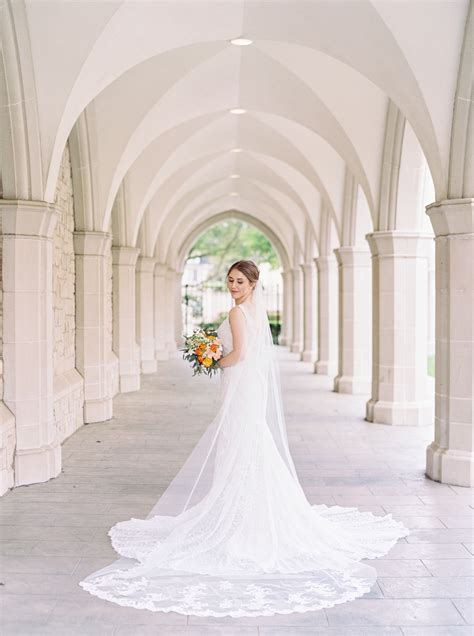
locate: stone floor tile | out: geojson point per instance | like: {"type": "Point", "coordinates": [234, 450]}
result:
{"type": "Point", "coordinates": [38, 564]}
{"type": "Point", "coordinates": [463, 521]}
{"type": "Point", "coordinates": [398, 612]}
{"type": "Point", "coordinates": [450, 567]}
{"type": "Point", "coordinates": [438, 631]}
{"type": "Point", "coordinates": [466, 607]}
{"type": "Point", "coordinates": [398, 567]}
{"type": "Point", "coordinates": [331, 631]}
{"type": "Point", "coordinates": [428, 587]}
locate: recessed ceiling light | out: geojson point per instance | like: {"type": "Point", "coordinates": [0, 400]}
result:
{"type": "Point", "coordinates": [234, 194]}
{"type": "Point", "coordinates": [241, 41]}
{"type": "Point", "coordinates": [235, 176]}
{"type": "Point", "coordinates": [237, 111]}
{"type": "Point", "coordinates": [236, 150]}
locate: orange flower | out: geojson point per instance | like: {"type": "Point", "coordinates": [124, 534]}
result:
{"type": "Point", "coordinates": [213, 347]}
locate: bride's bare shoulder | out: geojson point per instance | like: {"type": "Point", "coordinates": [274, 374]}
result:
{"type": "Point", "coordinates": [236, 313]}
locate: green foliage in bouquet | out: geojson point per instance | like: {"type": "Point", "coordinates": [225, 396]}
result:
{"type": "Point", "coordinates": [195, 347]}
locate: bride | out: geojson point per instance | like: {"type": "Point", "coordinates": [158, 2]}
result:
{"type": "Point", "coordinates": [233, 534]}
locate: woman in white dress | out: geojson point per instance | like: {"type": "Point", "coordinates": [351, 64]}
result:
{"type": "Point", "coordinates": [233, 534]}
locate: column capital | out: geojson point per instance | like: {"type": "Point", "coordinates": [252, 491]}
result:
{"type": "Point", "coordinates": [390, 243]}
{"type": "Point", "coordinates": [308, 268]}
{"type": "Point", "coordinates": [170, 273]}
{"type": "Point", "coordinates": [353, 256]}
{"type": "Point", "coordinates": [160, 269]}
{"type": "Point", "coordinates": [125, 255]}
{"type": "Point", "coordinates": [92, 243]}
{"type": "Point", "coordinates": [325, 262]}
{"type": "Point", "coordinates": [28, 218]}
{"type": "Point", "coordinates": [452, 216]}
{"type": "Point", "coordinates": [146, 264]}
{"type": "Point", "coordinates": [297, 271]}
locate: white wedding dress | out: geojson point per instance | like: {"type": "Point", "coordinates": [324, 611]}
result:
{"type": "Point", "coordinates": [246, 542]}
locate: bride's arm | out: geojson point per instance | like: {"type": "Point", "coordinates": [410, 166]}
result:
{"type": "Point", "coordinates": [239, 334]}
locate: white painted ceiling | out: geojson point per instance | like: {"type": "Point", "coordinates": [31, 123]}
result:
{"type": "Point", "coordinates": [155, 82]}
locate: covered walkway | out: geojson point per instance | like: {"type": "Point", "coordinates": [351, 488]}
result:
{"type": "Point", "coordinates": [55, 533]}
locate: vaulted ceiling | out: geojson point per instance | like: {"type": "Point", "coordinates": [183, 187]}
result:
{"type": "Point", "coordinates": [145, 90]}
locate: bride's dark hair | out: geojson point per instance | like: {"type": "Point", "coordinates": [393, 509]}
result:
{"type": "Point", "coordinates": [247, 268]}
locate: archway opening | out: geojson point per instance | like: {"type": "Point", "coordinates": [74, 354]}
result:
{"type": "Point", "coordinates": [205, 299]}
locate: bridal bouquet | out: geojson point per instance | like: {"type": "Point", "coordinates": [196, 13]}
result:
{"type": "Point", "coordinates": [203, 349]}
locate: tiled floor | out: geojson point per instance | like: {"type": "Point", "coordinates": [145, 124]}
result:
{"type": "Point", "coordinates": [55, 533]}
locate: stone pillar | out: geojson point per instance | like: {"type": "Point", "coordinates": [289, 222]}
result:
{"type": "Point", "coordinates": [287, 319]}
{"type": "Point", "coordinates": [28, 228]}
{"type": "Point", "coordinates": [145, 313]}
{"type": "Point", "coordinates": [93, 342]}
{"type": "Point", "coordinates": [170, 309]}
{"type": "Point", "coordinates": [178, 310]}
{"type": "Point", "coordinates": [160, 300]}
{"type": "Point", "coordinates": [355, 318]}
{"type": "Point", "coordinates": [399, 358]}
{"type": "Point", "coordinates": [327, 315]}
{"type": "Point", "coordinates": [298, 310]}
{"type": "Point", "coordinates": [310, 348]}
{"type": "Point", "coordinates": [450, 458]}
{"type": "Point", "coordinates": [124, 325]}
{"type": "Point", "coordinates": [431, 306]}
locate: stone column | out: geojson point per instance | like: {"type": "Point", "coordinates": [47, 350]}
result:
{"type": "Point", "coordinates": [298, 310]}
{"type": "Point", "coordinates": [310, 348]}
{"type": "Point", "coordinates": [450, 458]}
{"type": "Point", "coordinates": [178, 310]}
{"type": "Point", "coordinates": [355, 318]}
{"type": "Point", "coordinates": [27, 228]}
{"type": "Point", "coordinates": [94, 357]}
{"type": "Point", "coordinates": [160, 300]}
{"type": "Point", "coordinates": [431, 305]}
{"type": "Point", "coordinates": [124, 325]}
{"type": "Point", "coordinates": [327, 315]}
{"type": "Point", "coordinates": [399, 358]}
{"type": "Point", "coordinates": [170, 309]}
{"type": "Point", "coordinates": [145, 313]}
{"type": "Point", "coordinates": [287, 319]}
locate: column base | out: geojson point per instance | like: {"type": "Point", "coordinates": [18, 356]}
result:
{"type": "Point", "coordinates": [400, 414]}
{"type": "Point", "coordinates": [7, 447]}
{"type": "Point", "coordinates": [450, 466]}
{"type": "Point", "coordinates": [148, 366]}
{"type": "Point", "coordinates": [37, 465]}
{"type": "Point", "coordinates": [283, 341]}
{"type": "Point", "coordinates": [325, 367]}
{"type": "Point", "coordinates": [98, 410]}
{"type": "Point", "coordinates": [129, 383]}
{"type": "Point", "coordinates": [352, 385]}
{"type": "Point", "coordinates": [295, 348]}
{"type": "Point", "coordinates": [162, 355]}
{"type": "Point", "coordinates": [309, 356]}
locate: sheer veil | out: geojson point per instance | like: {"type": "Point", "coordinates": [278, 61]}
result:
{"type": "Point", "coordinates": [255, 376]}
{"type": "Point", "coordinates": [233, 534]}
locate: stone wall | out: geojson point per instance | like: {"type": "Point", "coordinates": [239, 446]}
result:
{"type": "Point", "coordinates": [68, 383]}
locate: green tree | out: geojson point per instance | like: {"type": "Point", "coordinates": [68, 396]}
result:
{"type": "Point", "coordinates": [230, 241]}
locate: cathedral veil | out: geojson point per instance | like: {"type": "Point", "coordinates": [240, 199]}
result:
{"type": "Point", "coordinates": [233, 534]}
{"type": "Point", "coordinates": [255, 376]}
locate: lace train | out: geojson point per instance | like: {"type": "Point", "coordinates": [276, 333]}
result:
{"type": "Point", "coordinates": [366, 536]}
